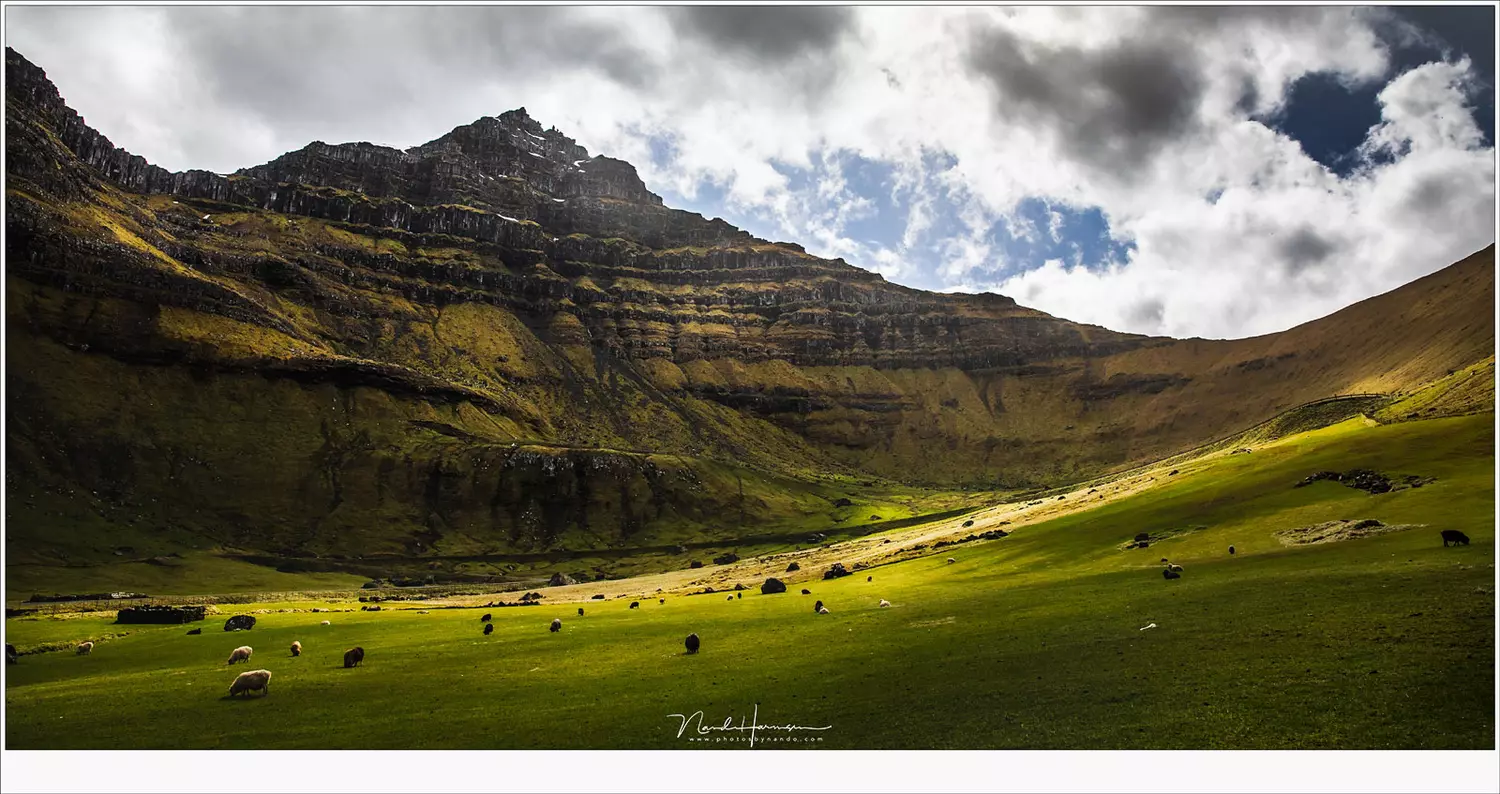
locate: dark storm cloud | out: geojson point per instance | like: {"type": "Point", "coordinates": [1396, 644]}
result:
{"type": "Point", "coordinates": [1112, 107]}
{"type": "Point", "coordinates": [766, 33]}
{"type": "Point", "coordinates": [1304, 249]}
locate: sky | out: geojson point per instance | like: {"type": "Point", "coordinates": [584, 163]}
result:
{"type": "Point", "coordinates": [1220, 172]}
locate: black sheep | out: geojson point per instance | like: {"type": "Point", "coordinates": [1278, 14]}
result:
{"type": "Point", "coordinates": [806, 591]}
{"type": "Point", "coordinates": [817, 606]}
{"type": "Point", "coordinates": [1231, 551]}
{"type": "Point", "coordinates": [692, 643]}
{"type": "Point", "coordinates": [580, 612]}
{"type": "Point", "coordinates": [556, 625]}
{"type": "Point", "coordinates": [485, 618]}
{"type": "Point", "coordinates": [1455, 537]}
{"type": "Point", "coordinates": [635, 605]}
{"type": "Point", "coordinates": [354, 656]}
{"type": "Point", "coordinates": [489, 628]}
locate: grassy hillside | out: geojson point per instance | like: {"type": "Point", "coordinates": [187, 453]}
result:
{"type": "Point", "coordinates": [1031, 641]}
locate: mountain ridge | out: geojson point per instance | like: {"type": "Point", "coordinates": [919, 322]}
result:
{"type": "Point", "coordinates": [314, 368]}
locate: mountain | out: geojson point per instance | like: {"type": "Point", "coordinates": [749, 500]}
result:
{"type": "Point", "coordinates": [495, 343]}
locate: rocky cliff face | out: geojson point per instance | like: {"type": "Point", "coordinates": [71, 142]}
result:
{"type": "Point", "coordinates": [443, 309]}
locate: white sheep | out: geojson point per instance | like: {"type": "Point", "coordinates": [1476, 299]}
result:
{"type": "Point", "coordinates": [884, 603]}
{"type": "Point", "coordinates": [85, 647]}
{"type": "Point", "coordinates": [822, 610]}
{"type": "Point", "coordinates": [327, 623]}
{"type": "Point", "coordinates": [240, 654]}
{"type": "Point", "coordinates": [951, 560]}
{"type": "Point", "coordinates": [250, 681]}
{"type": "Point", "coordinates": [1174, 568]}
{"type": "Point", "coordinates": [296, 648]}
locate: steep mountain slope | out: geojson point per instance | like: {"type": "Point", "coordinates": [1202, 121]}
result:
{"type": "Point", "coordinates": [495, 342]}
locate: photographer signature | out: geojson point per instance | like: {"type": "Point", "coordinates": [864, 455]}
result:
{"type": "Point", "coordinates": [729, 725]}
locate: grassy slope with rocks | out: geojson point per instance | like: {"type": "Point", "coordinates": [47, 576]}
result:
{"type": "Point", "coordinates": [1031, 641]}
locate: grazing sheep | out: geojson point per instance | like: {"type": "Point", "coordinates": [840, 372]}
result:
{"type": "Point", "coordinates": [739, 595]}
{"type": "Point", "coordinates": [240, 654]}
{"type": "Point", "coordinates": [327, 623]}
{"type": "Point", "coordinates": [884, 603]}
{"type": "Point", "coordinates": [1168, 573]}
{"type": "Point", "coordinates": [635, 605]}
{"type": "Point", "coordinates": [661, 600]}
{"type": "Point", "coordinates": [692, 643]}
{"type": "Point", "coordinates": [1455, 537]}
{"type": "Point", "coordinates": [485, 618]}
{"type": "Point", "coordinates": [10, 653]}
{"type": "Point", "coordinates": [84, 648]}
{"type": "Point", "coordinates": [354, 656]}
{"type": "Point", "coordinates": [1174, 567]}
{"type": "Point", "coordinates": [296, 648]}
{"type": "Point", "coordinates": [251, 681]}
{"type": "Point", "coordinates": [1163, 560]}
{"type": "Point", "coordinates": [556, 625]}
{"type": "Point", "coordinates": [731, 598]}
{"type": "Point", "coordinates": [951, 560]}
{"type": "Point", "coordinates": [1231, 551]}
{"type": "Point", "coordinates": [822, 610]}
{"type": "Point", "coordinates": [195, 631]}
{"type": "Point", "coordinates": [580, 612]}
{"type": "Point", "coordinates": [818, 606]}
{"type": "Point", "coordinates": [869, 578]}
{"type": "Point", "coordinates": [806, 591]}
{"type": "Point", "coordinates": [489, 628]}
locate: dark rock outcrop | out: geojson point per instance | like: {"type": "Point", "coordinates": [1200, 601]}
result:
{"type": "Point", "coordinates": [240, 623]}
{"type": "Point", "coordinates": [772, 586]}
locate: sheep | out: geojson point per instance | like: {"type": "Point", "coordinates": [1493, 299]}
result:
{"type": "Point", "coordinates": [556, 625]}
{"type": "Point", "coordinates": [739, 595]}
{"type": "Point", "coordinates": [327, 623]}
{"type": "Point", "coordinates": [240, 654]}
{"type": "Point", "coordinates": [10, 653]}
{"type": "Point", "coordinates": [869, 578]}
{"type": "Point", "coordinates": [296, 648]}
{"type": "Point", "coordinates": [485, 618]}
{"type": "Point", "coordinates": [580, 612]}
{"type": "Point", "coordinates": [692, 643]}
{"type": "Point", "coordinates": [951, 560]}
{"type": "Point", "coordinates": [84, 648]}
{"type": "Point", "coordinates": [489, 628]}
{"type": "Point", "coordinates": [251, 681]}
{"type": "Point", "coordinates": [1168, 573]}
{"type": "Point", "coordinates": [1174, 567]}
{"type": "Point", "coordinates": [822, 610]}
{"type": "Point", "coordinates": [635, 605]}
{"type": "Point", "coordinates": [354, 656]}
{"type": "Point", "coordinates": [661, 600]}
{"type": "Point", "coordinates": [806, 591]}
{"type": "Point", "coordinates": [731, 598]}
{"type": "Point", "coordinates": [884, 603]}
{"type": "Point", "coordinates": [1231, 551]}
{"type": "Point", "coordinates": [818, 607]}
{"type": "Point", "coordinates": [1454, 537]}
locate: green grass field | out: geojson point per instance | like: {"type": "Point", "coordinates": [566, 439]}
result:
{"type": "Point", "coordinates": [1033, 641]}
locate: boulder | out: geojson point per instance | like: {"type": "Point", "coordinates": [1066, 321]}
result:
{"type": "Point", "coordinates": [695, 564]}
{"type": "Point", "coordinates": [239, 623]}
{"type": "Point", "coordinates": [793, 567]}
{"type": "Point", "coordinates": [836, 571]}
{"type": "Point", "coordinates": [773, 586]}
{"type": "Point", "coordinates": [599, 597]}
{"type": "Point", "coordinates": [725, 559]}
{"type": "Point", "coordinates": [195, 631]}
{"type": "Point", "coordinates": [559, 579]}
{"type": "Point", "coordinates": [739, 586]}
{"type": "Point", "coordinates": [843, 503]}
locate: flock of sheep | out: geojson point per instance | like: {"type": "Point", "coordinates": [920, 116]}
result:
{"type": "Point", "coordinates": [252, 681]}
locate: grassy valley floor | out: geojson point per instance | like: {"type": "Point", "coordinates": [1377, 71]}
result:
{"type": "Point", "coordinates": [1037, 640]}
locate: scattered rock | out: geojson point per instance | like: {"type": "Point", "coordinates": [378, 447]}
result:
{"type": "Point", "coordinates": [772, 586]}
{"type": "Point", "coordinates": [843, 503]}
{"type": "Point", "coordinates": [560, 579]}
{"type": "Point", "coordinates": [195, 631]}
{"type": "Point", "coordinates": [695, 564]}
{"type": "Point", "coordinates": [806, 591]}
{"type": "Point", "coordinates": [239, 623]}
{"type": "Point", "coordinates": [793, 567]}
{"type": "Point", "coordinates": [968, 523]}
{"type": "Point", "coordinates": [836, 571]}
{"type": "Point", "coordinates": [599, 597]}
{"type": "Point", "coordinates": [727, 558]}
